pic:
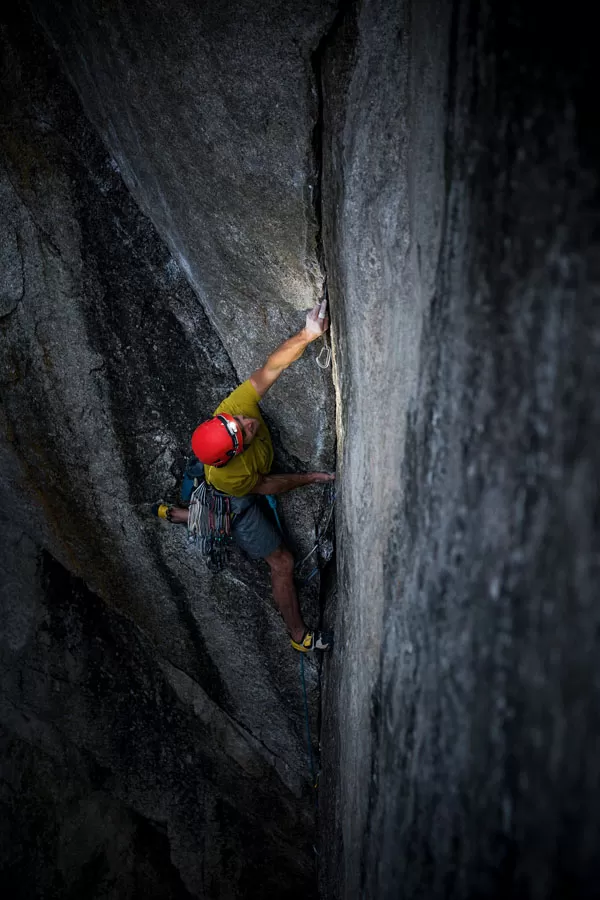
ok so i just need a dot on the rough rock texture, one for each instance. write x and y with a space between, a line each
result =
151 713
460 191
209 110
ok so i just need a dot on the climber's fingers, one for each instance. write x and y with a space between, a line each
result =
316 323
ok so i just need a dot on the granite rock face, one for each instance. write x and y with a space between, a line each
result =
460 192
209 110
135 683
440 163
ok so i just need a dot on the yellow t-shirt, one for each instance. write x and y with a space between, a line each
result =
241 473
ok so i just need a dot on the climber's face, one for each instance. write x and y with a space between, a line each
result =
249 428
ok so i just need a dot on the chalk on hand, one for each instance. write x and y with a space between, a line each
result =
323 309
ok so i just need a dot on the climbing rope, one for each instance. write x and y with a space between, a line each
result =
322 543
311 761
273 504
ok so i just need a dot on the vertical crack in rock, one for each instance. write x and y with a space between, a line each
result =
328 568
317 151
317 59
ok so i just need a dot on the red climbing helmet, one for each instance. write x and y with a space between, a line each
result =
217 440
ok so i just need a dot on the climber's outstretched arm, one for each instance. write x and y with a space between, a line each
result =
317 322
279 484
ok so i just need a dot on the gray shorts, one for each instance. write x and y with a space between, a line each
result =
253 526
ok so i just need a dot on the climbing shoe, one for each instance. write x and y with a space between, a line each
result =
161 510
314 640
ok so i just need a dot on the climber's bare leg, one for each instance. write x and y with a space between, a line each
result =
281 563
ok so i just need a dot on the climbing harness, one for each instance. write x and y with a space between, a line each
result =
209 525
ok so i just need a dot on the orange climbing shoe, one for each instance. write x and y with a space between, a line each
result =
314 640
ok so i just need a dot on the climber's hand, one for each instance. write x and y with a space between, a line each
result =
317 321
319 477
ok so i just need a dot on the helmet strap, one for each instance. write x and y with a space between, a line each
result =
232 434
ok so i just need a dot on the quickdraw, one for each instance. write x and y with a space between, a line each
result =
209 525
323 544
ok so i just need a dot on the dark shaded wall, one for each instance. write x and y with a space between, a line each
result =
461 234
135 684
440 162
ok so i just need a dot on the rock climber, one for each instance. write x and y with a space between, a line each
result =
236 450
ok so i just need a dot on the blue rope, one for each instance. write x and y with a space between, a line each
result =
311 761
314 572
273 504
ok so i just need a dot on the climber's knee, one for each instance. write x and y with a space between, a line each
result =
281 562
